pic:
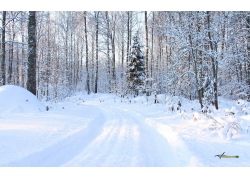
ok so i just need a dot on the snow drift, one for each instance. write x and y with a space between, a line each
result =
18 99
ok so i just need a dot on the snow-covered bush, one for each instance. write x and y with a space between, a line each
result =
243 107
229 129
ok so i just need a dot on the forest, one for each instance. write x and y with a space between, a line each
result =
199 55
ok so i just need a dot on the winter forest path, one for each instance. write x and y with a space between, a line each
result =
115 137
125 141
106 130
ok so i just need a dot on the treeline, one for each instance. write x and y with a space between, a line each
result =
198 55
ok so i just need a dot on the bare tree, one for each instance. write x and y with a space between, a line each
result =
87 53
108 36
113 51
146 33
96 67
128 35
146 57
213 46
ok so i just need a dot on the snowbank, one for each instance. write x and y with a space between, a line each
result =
18 99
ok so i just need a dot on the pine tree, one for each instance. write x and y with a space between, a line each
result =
136 68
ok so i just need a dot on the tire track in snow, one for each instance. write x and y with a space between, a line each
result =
173 151
115 138
154 148
64 150
184 157
126 140
113 147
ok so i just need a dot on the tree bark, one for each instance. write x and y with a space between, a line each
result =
152 48
31 82
3 50
146 31
146 58
11 52
248 54
96 67
128 34
17 66
122 45
23 64
113 55
87 53
48 64
108 52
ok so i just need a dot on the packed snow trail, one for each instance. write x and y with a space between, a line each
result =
65 149
106 130
125 141
115 137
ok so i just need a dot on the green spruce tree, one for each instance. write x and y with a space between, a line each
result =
136 68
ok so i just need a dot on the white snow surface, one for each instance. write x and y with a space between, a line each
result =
107 130
15 99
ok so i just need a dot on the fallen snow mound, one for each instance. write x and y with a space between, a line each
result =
18 99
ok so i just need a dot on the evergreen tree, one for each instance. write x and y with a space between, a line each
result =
136 68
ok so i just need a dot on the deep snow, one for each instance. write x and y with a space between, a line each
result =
106 130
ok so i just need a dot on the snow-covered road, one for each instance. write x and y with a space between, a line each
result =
125 140
113 138
91 133
105 130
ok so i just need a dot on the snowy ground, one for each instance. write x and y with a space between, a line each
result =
106 130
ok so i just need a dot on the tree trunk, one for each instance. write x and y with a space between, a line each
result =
248 54
146 31
11 57
214 63
23 64
17 66
113 56
31 82
71 80
130 30
108 53
128 34
66 53
96 67
122 48
87 53
192 58
146 58
92 60
152 49
3 49
48 64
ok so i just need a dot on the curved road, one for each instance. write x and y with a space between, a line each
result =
116 137
125 140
